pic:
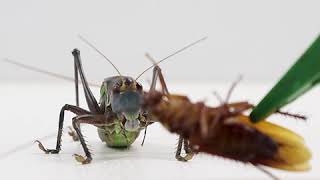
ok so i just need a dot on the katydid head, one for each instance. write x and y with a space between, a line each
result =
123 93
124 96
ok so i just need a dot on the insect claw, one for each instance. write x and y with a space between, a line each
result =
82 159
188 156
183 159
40 145
47 151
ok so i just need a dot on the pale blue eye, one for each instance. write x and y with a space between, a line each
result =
126 102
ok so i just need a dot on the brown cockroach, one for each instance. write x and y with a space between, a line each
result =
225 131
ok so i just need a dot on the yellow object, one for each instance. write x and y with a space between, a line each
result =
292 155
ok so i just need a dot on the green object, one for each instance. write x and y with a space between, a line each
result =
300 78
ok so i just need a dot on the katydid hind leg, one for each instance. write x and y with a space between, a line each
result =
91 101
71 131
76 83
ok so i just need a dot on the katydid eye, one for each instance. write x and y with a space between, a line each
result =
116 88
127 82
139 86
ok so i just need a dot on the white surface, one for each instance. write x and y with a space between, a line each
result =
30 111
259 39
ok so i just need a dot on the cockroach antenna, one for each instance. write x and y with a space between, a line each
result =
98 51
178 51
233 85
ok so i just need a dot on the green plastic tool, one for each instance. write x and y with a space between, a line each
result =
300 78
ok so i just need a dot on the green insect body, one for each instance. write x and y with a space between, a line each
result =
119 115
115 134
116 137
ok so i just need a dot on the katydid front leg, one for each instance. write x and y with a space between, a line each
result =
74 109
86 119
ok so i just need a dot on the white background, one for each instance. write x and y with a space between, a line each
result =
258 39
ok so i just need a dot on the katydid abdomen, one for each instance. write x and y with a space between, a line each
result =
117 137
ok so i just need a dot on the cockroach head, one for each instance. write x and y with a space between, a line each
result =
151 98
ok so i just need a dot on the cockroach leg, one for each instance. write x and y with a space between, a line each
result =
266 172
238 108
67 107
203 122
297 116
156 73
187 149
219 98
179 148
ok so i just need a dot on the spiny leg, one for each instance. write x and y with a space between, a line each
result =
91 101
75 123
297 116
67 107
145 132
155 76
76 83
266 172
158 74
87 119
179 148
188 150
71 131
73 134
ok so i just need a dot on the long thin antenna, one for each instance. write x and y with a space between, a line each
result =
178 51
35 69
234 84
98 51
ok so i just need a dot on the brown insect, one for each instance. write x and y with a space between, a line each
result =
225 131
